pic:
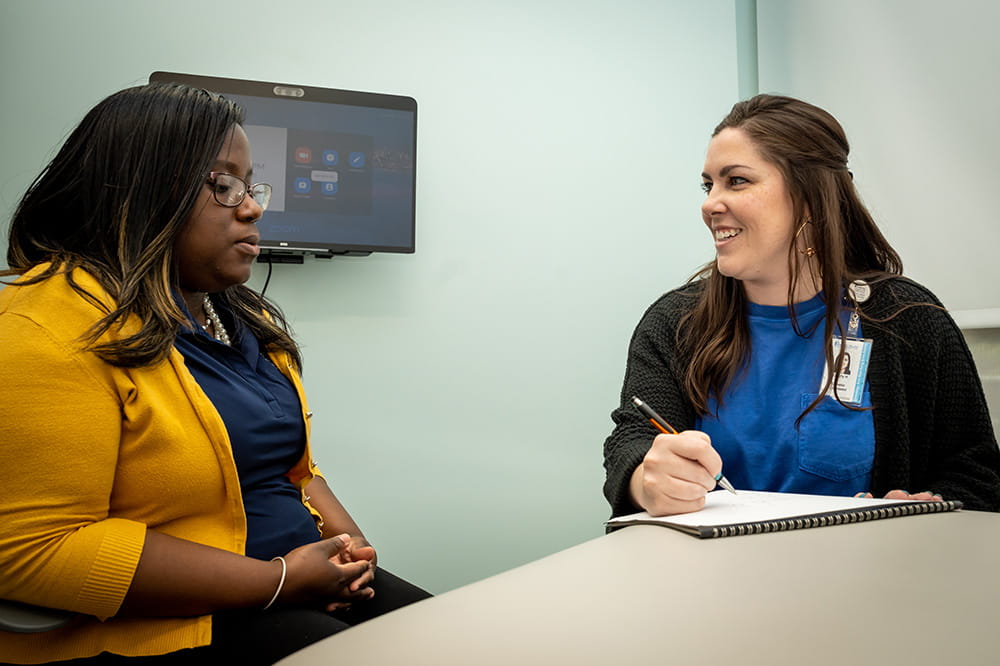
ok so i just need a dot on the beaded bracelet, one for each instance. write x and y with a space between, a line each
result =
281 583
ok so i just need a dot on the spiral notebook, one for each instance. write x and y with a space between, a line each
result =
754 512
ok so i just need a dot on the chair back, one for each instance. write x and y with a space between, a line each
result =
23 618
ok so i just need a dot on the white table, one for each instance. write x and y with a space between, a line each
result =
919 589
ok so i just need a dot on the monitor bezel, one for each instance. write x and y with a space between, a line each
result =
277 247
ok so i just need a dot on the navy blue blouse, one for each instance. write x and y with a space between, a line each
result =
263 417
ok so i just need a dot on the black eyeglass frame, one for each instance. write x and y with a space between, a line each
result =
247 188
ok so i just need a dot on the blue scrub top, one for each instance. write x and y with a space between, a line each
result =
832 450
263 417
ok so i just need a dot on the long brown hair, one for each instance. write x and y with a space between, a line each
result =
112 202
810 149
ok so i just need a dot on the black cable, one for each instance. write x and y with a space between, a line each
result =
270 267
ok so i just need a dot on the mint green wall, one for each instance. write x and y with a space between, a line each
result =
746 47
915 86
461 393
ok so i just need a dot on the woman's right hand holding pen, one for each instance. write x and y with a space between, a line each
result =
676 474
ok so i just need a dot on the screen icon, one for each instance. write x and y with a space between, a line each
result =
331 157
303 155
328 188
357 160
302 185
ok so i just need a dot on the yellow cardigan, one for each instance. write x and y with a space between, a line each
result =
91 456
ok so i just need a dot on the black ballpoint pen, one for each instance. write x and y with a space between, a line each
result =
665 427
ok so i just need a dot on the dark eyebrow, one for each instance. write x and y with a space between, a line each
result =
725 170
231 167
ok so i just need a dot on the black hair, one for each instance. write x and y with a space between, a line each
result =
113 200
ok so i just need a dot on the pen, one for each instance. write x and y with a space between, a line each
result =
665 427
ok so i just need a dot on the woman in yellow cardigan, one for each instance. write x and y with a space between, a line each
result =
156 474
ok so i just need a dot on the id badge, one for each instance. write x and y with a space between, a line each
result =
850 384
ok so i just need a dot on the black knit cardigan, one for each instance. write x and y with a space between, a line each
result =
932 426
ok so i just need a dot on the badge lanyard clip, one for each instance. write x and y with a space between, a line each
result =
849 382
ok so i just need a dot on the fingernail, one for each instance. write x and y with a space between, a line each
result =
861 494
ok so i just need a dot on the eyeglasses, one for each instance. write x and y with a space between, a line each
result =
230 190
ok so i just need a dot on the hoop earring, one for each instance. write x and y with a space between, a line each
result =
809 251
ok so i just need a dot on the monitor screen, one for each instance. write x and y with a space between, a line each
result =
341 164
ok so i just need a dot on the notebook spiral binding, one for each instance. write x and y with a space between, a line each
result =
835 518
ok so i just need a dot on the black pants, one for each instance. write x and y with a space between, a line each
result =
255 637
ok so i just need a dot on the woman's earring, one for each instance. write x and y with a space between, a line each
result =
809 251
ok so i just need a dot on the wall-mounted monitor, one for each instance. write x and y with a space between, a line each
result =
341 164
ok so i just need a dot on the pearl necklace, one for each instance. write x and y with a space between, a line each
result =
220 333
